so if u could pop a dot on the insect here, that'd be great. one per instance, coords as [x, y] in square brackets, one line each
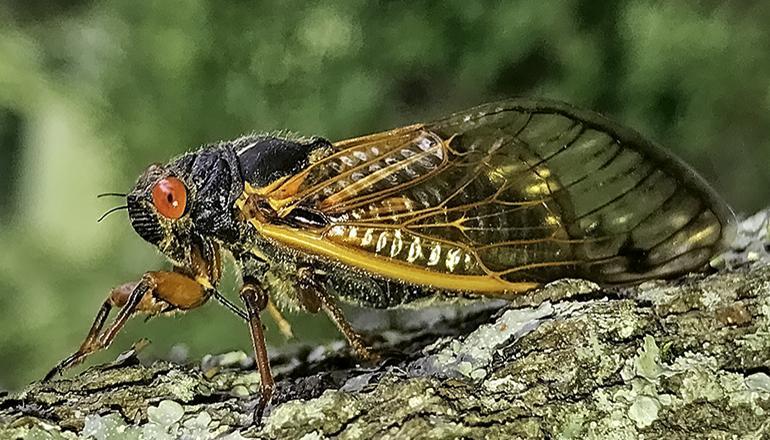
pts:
[492, 201]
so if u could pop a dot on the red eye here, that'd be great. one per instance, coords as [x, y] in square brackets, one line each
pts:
[169, 197]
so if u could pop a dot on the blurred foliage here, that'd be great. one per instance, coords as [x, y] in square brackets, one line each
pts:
[93, 91]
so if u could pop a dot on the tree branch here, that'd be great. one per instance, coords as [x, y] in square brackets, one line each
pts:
[667, 359]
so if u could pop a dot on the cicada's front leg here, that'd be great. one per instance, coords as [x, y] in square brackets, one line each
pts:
[314, 297]
[155, 293]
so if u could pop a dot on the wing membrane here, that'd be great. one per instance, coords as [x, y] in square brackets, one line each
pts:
[516, 192]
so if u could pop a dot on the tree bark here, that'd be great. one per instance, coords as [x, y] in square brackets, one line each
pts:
[684, 358]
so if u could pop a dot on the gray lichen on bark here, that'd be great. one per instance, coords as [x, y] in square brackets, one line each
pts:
[682, 358]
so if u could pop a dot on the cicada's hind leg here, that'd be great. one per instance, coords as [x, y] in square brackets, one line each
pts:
[315, 297]
[156, 292]
[256, 299]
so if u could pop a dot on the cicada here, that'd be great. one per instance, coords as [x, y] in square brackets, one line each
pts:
[489, 202]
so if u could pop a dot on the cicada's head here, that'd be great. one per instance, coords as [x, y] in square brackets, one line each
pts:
[159, 209]
[186, 207]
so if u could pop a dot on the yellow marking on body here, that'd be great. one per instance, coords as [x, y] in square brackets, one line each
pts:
[247, 191]
[385, 267]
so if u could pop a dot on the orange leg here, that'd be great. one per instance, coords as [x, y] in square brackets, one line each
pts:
[153, 294]
[256, 299]
[314, 298]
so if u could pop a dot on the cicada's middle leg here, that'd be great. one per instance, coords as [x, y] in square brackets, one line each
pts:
[256, 299]
[155, 293]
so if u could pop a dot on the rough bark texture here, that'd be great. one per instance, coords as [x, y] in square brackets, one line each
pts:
[686, 358]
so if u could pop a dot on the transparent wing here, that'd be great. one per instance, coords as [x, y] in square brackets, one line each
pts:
[517, 191]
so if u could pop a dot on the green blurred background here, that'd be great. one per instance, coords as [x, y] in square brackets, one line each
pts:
[93, 91]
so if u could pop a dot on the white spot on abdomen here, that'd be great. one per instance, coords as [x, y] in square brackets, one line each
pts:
[435, 255]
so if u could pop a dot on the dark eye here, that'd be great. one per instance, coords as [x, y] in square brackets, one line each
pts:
[169, 197]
